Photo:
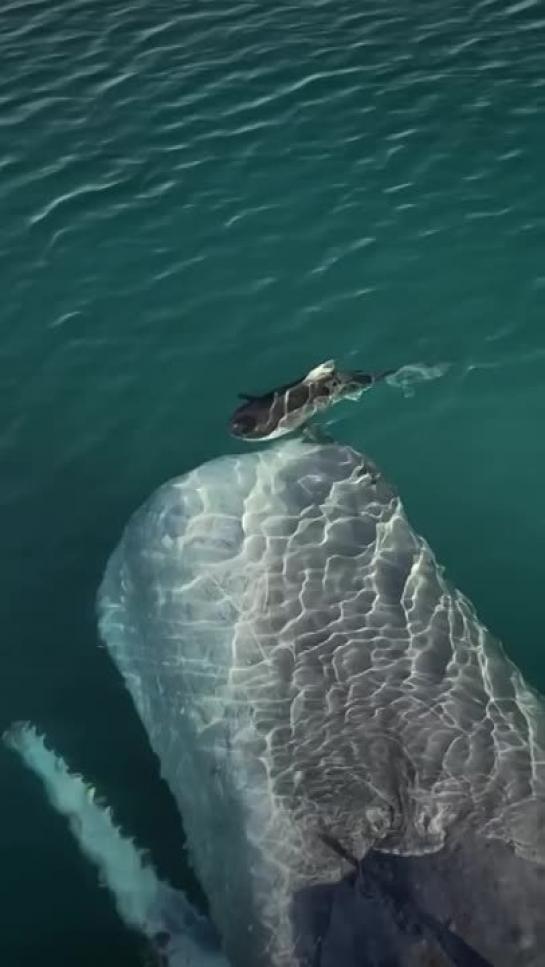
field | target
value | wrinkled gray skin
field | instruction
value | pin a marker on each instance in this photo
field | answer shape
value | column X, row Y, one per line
column 315, row 689
column 376, row 917
column 282, row 410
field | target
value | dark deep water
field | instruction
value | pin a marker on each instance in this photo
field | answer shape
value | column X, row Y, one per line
column 202, row 198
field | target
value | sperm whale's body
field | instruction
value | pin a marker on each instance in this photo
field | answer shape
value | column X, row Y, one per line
column 314, row 690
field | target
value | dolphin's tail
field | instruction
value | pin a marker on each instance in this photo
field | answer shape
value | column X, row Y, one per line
column 162, row 914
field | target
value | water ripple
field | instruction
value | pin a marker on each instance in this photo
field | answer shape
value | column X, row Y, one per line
column 187, row 186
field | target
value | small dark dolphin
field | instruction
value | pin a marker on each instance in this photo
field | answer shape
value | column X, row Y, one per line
column 285, row 409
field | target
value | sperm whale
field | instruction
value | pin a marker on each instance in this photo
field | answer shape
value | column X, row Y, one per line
column 307, row 676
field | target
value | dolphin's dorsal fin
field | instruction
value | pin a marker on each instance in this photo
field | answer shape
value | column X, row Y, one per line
column 247, row 396
column 319, row 372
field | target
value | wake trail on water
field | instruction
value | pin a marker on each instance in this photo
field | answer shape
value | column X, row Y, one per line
column 409, row 376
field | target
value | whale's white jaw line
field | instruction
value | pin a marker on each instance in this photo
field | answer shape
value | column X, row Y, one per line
column 301, row 664
column 123, row 867
column 143, row 901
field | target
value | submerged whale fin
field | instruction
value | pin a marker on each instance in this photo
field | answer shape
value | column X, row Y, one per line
column 383, row 877
column 372, row 918
column 320, row 372
column 144, row 902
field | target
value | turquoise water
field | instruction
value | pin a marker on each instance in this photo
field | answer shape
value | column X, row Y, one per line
column 202, row 198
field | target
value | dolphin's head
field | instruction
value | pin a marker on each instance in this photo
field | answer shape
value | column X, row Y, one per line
column 277, row 413
column 244, row 423
column 264, row 418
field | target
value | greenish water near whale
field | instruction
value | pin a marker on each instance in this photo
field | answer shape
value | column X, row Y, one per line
column 204, row 198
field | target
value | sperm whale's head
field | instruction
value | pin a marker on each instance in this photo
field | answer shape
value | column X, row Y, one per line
column 303, row 668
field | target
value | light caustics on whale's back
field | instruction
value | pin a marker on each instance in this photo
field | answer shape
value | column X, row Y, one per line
column 307, row 676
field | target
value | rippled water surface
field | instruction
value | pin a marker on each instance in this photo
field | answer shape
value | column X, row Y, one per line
column 203, row 198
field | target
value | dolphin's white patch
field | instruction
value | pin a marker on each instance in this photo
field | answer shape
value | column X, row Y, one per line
column 143, row 901
column 321, row 371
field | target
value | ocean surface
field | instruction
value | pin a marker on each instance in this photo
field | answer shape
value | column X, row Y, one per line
column 202, row 198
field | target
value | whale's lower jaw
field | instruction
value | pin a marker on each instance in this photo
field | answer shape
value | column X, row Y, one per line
column 302, row 668
column 176, row 933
